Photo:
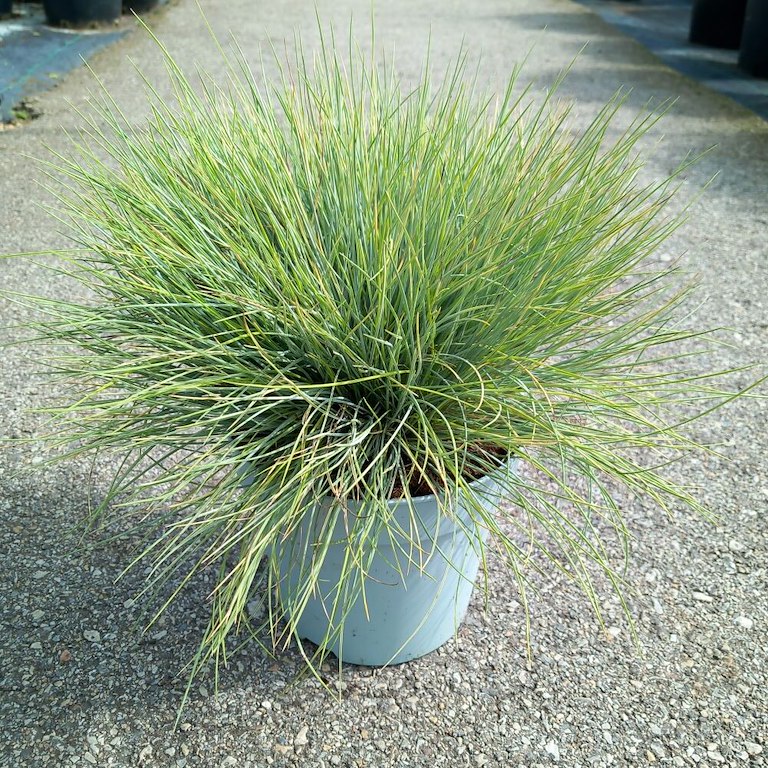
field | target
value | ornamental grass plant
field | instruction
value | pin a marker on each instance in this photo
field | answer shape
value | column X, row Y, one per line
column 333, row 288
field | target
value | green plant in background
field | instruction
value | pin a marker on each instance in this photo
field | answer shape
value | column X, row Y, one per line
column 336, row 290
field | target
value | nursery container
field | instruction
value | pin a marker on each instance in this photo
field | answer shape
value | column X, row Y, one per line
column 753, row 56
column 413, row 607
column 81, row 13
column 717, row 23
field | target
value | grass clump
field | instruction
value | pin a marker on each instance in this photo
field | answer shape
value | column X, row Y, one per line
column 340, row 288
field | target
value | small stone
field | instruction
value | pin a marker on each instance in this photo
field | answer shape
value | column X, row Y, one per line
column 145, row 754
column 744, row 622
column 703, row 597
column 203, row 691
column 301, row 737
column 649, row 756
column 89, row 758
column 65, row 656
column 266, row 704
column 36, row 646
column 37, row 615
column 553, row 750
column 39, row 574
column 736, row 546
column 753, row 748
column 170, row 751
column 481, row 759
column 255, row 609
column 283, row 749
column 655, row 730
column 92, row 636
column 185, row 750
column 160, row 635
column 613, row 632
column 364, row 734
column 229, row 762
column 658, row 750
column 185, row 726
column 335, row 760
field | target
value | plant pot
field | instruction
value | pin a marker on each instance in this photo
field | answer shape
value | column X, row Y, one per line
column 81, row 13
column 139, row 6
column 6, row 7
column 753, row 56
column 717, row 23
column 412, row 607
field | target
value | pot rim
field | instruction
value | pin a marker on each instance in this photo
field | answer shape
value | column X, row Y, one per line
column 507, row 467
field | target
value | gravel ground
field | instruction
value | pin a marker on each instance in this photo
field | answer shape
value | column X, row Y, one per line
column 80, row 684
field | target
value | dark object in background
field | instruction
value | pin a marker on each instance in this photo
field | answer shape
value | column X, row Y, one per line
column 139, row 6
column 753, row 56
column 81, row 13
column 717, row 23
column 6, row 6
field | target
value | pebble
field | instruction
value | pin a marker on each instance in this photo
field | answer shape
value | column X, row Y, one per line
column 255, row 609
column 92, row 636
column 737, row 546
column 229, row 762
column 703, row 597
column 753, row 748
column 37, row 615
column 552, row 749
column 36, row 646
column 658, row 750
column 301, row 737
column 743, row 621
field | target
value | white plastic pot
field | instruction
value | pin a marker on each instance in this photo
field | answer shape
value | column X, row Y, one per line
column 413, row 606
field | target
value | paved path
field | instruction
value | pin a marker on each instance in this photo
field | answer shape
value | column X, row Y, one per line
column 78, row 686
